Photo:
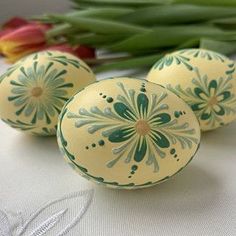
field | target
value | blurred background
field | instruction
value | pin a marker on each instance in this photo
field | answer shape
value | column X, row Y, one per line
column 25, row 8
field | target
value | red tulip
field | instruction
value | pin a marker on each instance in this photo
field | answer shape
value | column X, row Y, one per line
column 82, row 52
column 15, row 23
column 20, row 37
column 21, row 41
column 12, row 24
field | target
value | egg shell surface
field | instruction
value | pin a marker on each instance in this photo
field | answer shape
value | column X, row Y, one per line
column 204, row 79
column 127, row 133
column 34, row 90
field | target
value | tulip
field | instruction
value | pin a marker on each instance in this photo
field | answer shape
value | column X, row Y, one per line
column 15, row 23
column 20, row 37
column 82, row 52
column 12, row 24
column 22, row 41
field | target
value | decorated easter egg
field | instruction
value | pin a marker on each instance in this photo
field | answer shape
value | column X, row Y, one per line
column 34, row 90
column 204, row 79
column 127, row 133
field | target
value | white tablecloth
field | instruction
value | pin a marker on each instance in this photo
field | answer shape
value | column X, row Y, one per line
column 200, row 200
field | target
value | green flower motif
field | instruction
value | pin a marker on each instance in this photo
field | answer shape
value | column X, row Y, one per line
column 19, row 124
column 10, row 70
column 67, row 61
column 212, row 101
column 184, row 57
column 140, row 125
column 200, row 53
column 170, row 59
column 39, row 92
column 209, row 99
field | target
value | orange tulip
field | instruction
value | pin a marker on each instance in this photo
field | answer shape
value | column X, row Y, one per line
column 22, row 41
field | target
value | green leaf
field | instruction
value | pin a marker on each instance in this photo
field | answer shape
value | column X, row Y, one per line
column 133, row 63
column 100, row 26
column 168, row 36
column 177, row 14
column 95, row 40
column 123, row 3
column 223, row 47
column 208, row 2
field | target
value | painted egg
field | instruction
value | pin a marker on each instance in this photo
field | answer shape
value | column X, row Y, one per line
column 204, row 79
column 34, row 90
column 127, row 133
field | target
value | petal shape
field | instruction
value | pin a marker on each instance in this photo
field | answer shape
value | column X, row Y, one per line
column 212, row 87
column 141, row 149
column 223, row 96
column 197, row 106
column 169, row 60
column 121, row 135
column 160, row 139
column 205, row 116
column 123, row 111
column 200, row 93
column 15, row 23
column 142, row 102
column 161, row 118
column 219, row 110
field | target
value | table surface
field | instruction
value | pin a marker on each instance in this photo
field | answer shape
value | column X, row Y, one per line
column 40, row 193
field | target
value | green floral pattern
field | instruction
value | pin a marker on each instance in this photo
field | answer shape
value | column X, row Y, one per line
column 19, row 124
column 67, row 61
column 201, row 53
column 209, row 99
column 183, row 57
column 9, row 71
column 140, row 125
column 175, row 58
column 39, row 92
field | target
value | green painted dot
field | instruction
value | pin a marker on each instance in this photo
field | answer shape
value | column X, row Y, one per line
column 184, row 112
column 181, row 113
column 101, row 142
column 176, row 114
column 104, row 96
column 109, row 99
column 87, row 147
column 175, row 155
column 100, row 94
column 132, row 172
column 177, row 159
column 134, row 167
column 93, row 145
column 143, row 90
column 172, row 151
column 129, row 176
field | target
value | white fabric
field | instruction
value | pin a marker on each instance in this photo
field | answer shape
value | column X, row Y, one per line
column 200, row 200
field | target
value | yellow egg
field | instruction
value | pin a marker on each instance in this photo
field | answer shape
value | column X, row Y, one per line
column 204, row 79
column 127, row 133
column 34, row 90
